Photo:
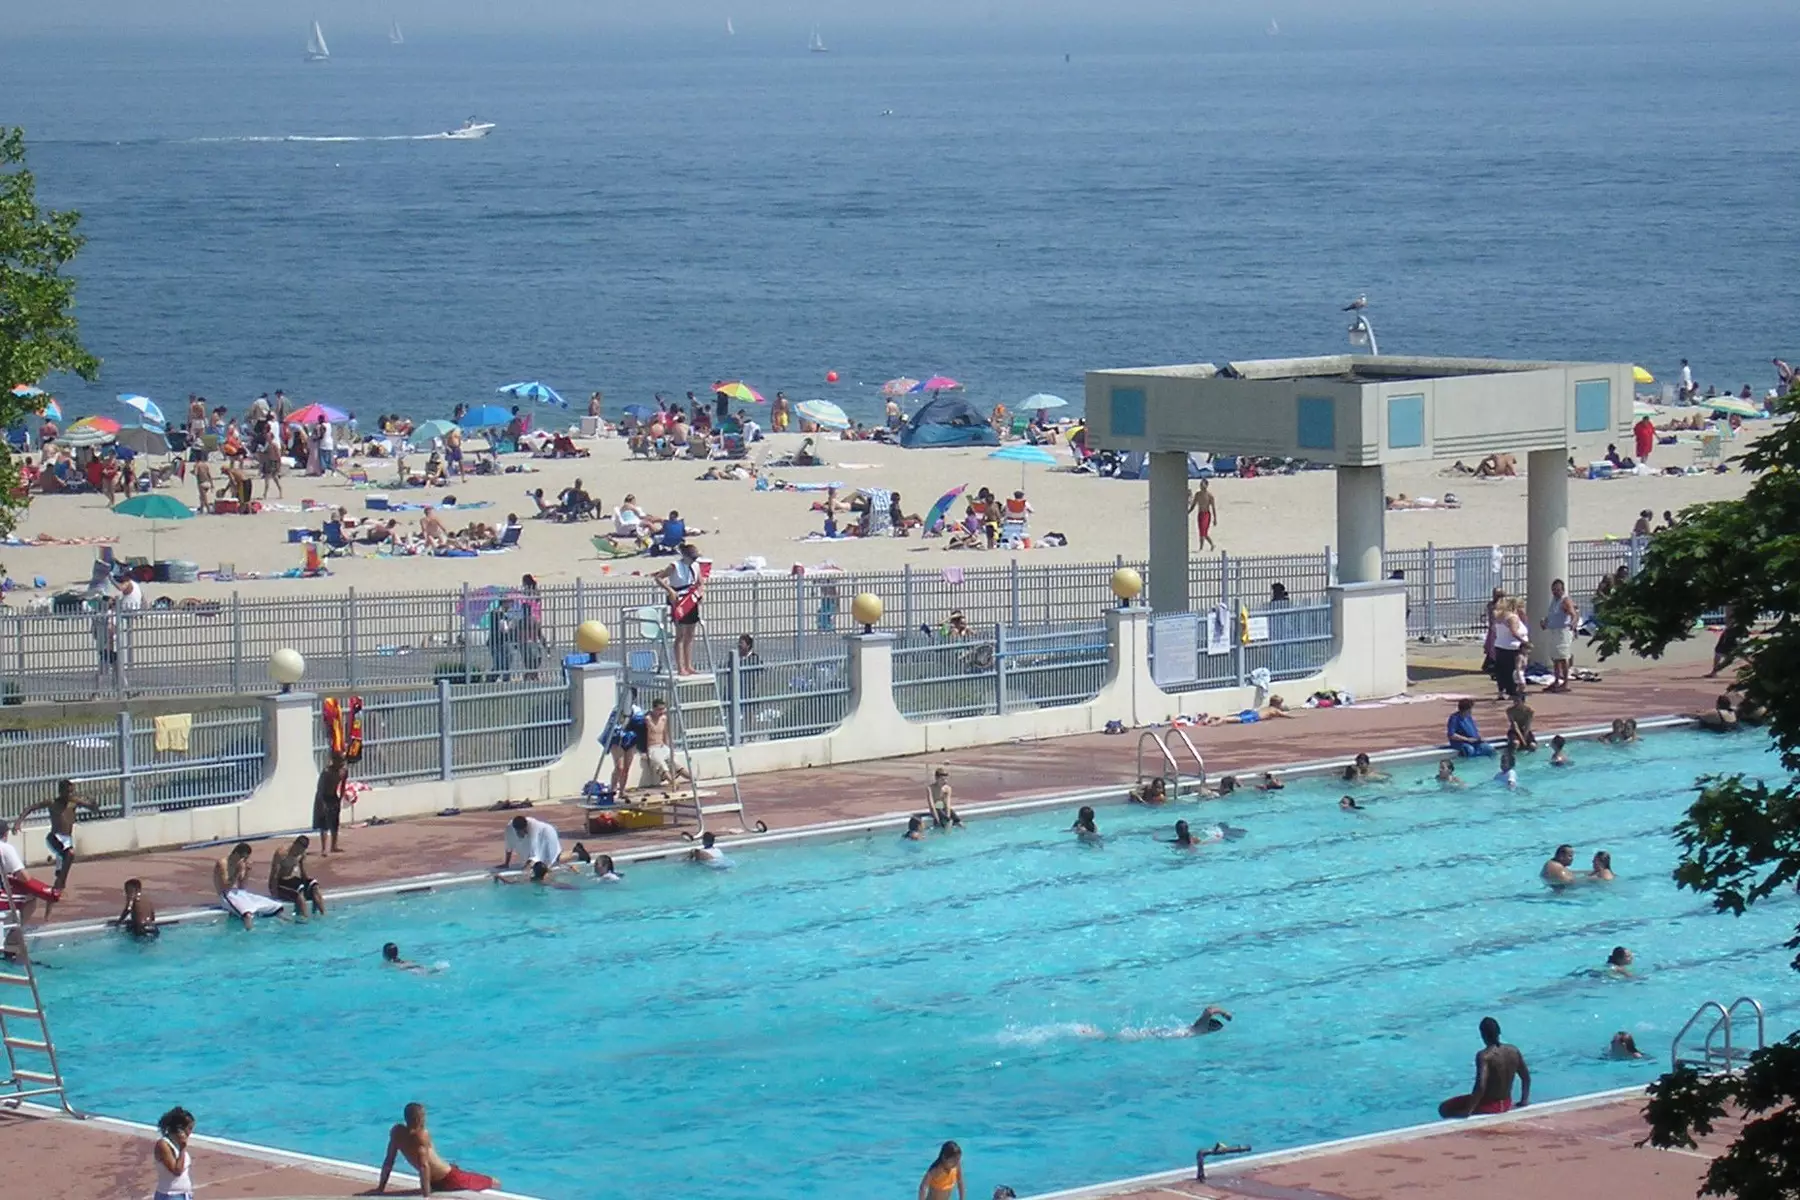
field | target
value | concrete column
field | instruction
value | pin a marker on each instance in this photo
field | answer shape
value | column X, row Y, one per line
column 1368, row 639
column 1168, row 531
column 1123, row 694
column 1546, row 527
column 1361, row 523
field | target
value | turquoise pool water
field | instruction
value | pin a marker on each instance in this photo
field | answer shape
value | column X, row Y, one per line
column 816, row 1020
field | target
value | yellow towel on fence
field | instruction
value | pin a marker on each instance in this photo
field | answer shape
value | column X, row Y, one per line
column 172, row 731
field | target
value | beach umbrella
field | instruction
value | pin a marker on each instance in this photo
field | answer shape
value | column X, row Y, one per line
column 427, row 431
column 1734, row 406
column 144, row 440
column 85, row 435
column 899, row 387
column 312, row 414
column 485, row 416
column 638, row 412
column 1639, row 375
column 1039, row 400
column 26, row 391
column 154, row 507
column 1022, row 453
column 740, row 391
column 145, row 405
column 104, row 425
column 1643, row 410
column 938, row 383
column 532, row 390
column 52, row 411
column 823, row 413
column 941, row 509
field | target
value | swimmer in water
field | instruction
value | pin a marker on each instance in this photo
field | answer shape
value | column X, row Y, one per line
column 540, row 875
column 1211, row 1020
column 1446, row 776
column 1350, row 775
column 1623, row 1046
column 1602, row 872
column 390, row 957
column 1349, row 804
column 605, row 872
column 1270, row 783
column 1228, row 785
column 138, row 917
column 1365, row 770
column 1556, row 872
column 1184, row 837
column 1619, row 961
column 707, row 854
column 1508, row 775
column 1084, row 828
column 915, row 829
column 1558, row 756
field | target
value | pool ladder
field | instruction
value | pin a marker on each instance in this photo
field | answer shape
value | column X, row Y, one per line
column 1724, row 1056
column 24, row 1027
column 1170, row 766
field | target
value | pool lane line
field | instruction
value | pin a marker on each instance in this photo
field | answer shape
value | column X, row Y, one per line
column 420, row 884
column 253, row 1150
column 1224, row 1169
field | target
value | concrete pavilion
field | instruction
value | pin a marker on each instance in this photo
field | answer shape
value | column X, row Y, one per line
column 1359, row 413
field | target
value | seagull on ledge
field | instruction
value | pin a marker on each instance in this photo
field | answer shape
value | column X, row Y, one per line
column 1357, row 305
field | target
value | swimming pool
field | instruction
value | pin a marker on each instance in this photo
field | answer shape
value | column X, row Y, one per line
column 819, row 1018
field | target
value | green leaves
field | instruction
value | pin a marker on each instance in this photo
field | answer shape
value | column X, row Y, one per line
column 37, row 327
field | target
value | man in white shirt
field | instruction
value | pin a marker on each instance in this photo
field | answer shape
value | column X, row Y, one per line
column 1687, row 382
column 131, row 596
column 533, row 841
column 26, row 891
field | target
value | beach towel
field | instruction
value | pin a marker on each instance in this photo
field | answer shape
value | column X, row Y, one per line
column 879, row 522
column 239, row 901
column 953, row 575
column 172, row 731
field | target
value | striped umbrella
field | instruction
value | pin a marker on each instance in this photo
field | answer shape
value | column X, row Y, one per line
column 900, row 386
column 823, row 413
column 740, row 391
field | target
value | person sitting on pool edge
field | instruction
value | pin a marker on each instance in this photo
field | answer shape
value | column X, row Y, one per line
column 938, row 795
column 289, row 881
column 1496, row 1066
column 1519, row 716
column 1463, row 736
column 412, row 1141
column 1084, row 828
column 1722, row 718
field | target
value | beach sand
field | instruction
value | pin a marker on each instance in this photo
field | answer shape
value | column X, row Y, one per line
column 1100, row 517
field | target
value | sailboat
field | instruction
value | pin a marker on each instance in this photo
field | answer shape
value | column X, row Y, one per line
column 817, row 44
column 729, row 31
column 395, row 37
column 316, row 49
column 1274, row 27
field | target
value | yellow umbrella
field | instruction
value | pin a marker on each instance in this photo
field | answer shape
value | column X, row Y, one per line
column 1639, row 375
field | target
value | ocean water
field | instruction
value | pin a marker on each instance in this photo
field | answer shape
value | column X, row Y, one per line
column 652, row 216
column 818, row 1018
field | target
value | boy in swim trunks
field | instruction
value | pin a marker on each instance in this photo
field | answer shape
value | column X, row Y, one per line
column 1496, row 1065
column 938, row 795
column 658, row 748
column 61, row 837
column 138, row 917
column 412, row 1141
column 289, row 881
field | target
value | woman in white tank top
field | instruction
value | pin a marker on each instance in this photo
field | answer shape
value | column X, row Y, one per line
column 174, row 1181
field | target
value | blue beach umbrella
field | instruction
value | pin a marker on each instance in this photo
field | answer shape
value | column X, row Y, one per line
column 1022, row 453
column 485, row 416
column 145, row 405
column 533, row 390
column 638, row 412
column 1039, row 400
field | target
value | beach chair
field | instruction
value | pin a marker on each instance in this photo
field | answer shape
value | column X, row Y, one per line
column 509, row 537
column 605, row 547
column 1021, row 424
column 336, row 543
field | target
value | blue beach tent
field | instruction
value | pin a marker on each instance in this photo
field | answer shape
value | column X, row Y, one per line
column 948, row 420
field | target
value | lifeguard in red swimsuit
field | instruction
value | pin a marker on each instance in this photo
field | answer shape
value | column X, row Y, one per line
column 1496, row 1065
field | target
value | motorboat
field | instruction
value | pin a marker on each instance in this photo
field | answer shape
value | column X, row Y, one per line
column 471, row 129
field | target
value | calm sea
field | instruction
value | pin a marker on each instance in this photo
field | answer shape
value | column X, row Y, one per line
column 651, row 217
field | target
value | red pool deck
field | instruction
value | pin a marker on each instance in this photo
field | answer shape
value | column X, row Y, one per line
column 1587, row 1151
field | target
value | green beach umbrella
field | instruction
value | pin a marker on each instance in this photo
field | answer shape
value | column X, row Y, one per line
column 435, row 428
column 155, row 507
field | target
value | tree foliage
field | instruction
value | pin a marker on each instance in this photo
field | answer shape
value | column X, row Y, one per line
column 37, row 327
column 1740, row 840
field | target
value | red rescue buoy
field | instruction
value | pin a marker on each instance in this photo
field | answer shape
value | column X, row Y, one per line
column 831, row 377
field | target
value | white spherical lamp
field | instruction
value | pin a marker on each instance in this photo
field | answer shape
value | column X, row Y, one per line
column 287, row 668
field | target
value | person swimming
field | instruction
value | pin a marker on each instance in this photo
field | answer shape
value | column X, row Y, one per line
column 1619, row 961
column 707, row 854
column 1228, row 785
column 1365, row 770
column 1602, row 872
column 1084, row 827
column 1623, row 1045
column 605, row 872
column 1184, row 837
column 915, row 829
column 1271, row 782
column 1446, row 776
column 1211, row 1020
column 1558, row 757
column 540, row 875
column 390, row 957
column 1349, row 804
column 1508, row 775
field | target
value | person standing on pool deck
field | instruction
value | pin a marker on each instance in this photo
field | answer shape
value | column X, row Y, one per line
column 1560, row 622
column 174, row 1177
column 944, row 1175
column 1496, row 1065
column 328, row 802
column 533, row 841
column 61, row 837
column 1205, row 507
column 412, row 1141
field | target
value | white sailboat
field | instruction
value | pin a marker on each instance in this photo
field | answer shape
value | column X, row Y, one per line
column 395, row 37
column 316, row 49
column 1274, row 27
column 817, row 44
column 729, row 31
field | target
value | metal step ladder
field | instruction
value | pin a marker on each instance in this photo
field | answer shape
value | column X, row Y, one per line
column 699, row 719
column 1168, row 766
column 1718, row 1052
column 24, row 1030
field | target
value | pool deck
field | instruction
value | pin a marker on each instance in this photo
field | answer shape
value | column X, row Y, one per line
column 1589, row 1149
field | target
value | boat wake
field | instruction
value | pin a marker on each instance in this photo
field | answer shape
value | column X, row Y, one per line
column 332, row 138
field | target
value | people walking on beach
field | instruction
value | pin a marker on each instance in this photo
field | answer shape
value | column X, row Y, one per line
column 62, row 810
column 411, row 1140
column 328, row 802
column 268, row 460
column 231, row 878
column 174, row 1174
column 289, row 881
column 1496, row 1066
column 1205, row 507
column 681, row 580
column 944, row 1175
column 1560, row 621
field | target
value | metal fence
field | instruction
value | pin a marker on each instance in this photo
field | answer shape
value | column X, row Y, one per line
column 1289, row 641
column 1448, row 588
column 116, row 764
column 453, row 729
column 997, row 669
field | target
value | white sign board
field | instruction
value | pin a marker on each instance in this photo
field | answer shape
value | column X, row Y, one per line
column 1175, row 642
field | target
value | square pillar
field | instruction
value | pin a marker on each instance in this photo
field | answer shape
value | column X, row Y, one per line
column 1546, row 527
column 1168, row 531
column 1361, row 523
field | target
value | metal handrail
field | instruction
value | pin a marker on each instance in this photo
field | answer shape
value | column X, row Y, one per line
column 14, row 916
column 1171, row 774
column 1724, row 1019
column 1727, row 1056
column 1730, row 1059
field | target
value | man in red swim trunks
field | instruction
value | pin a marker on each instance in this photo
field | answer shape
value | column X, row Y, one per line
column 412, row 1141
column 1205, row 507
column 1495, row 1066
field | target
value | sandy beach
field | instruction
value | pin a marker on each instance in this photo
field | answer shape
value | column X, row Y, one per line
column 1100, row 517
